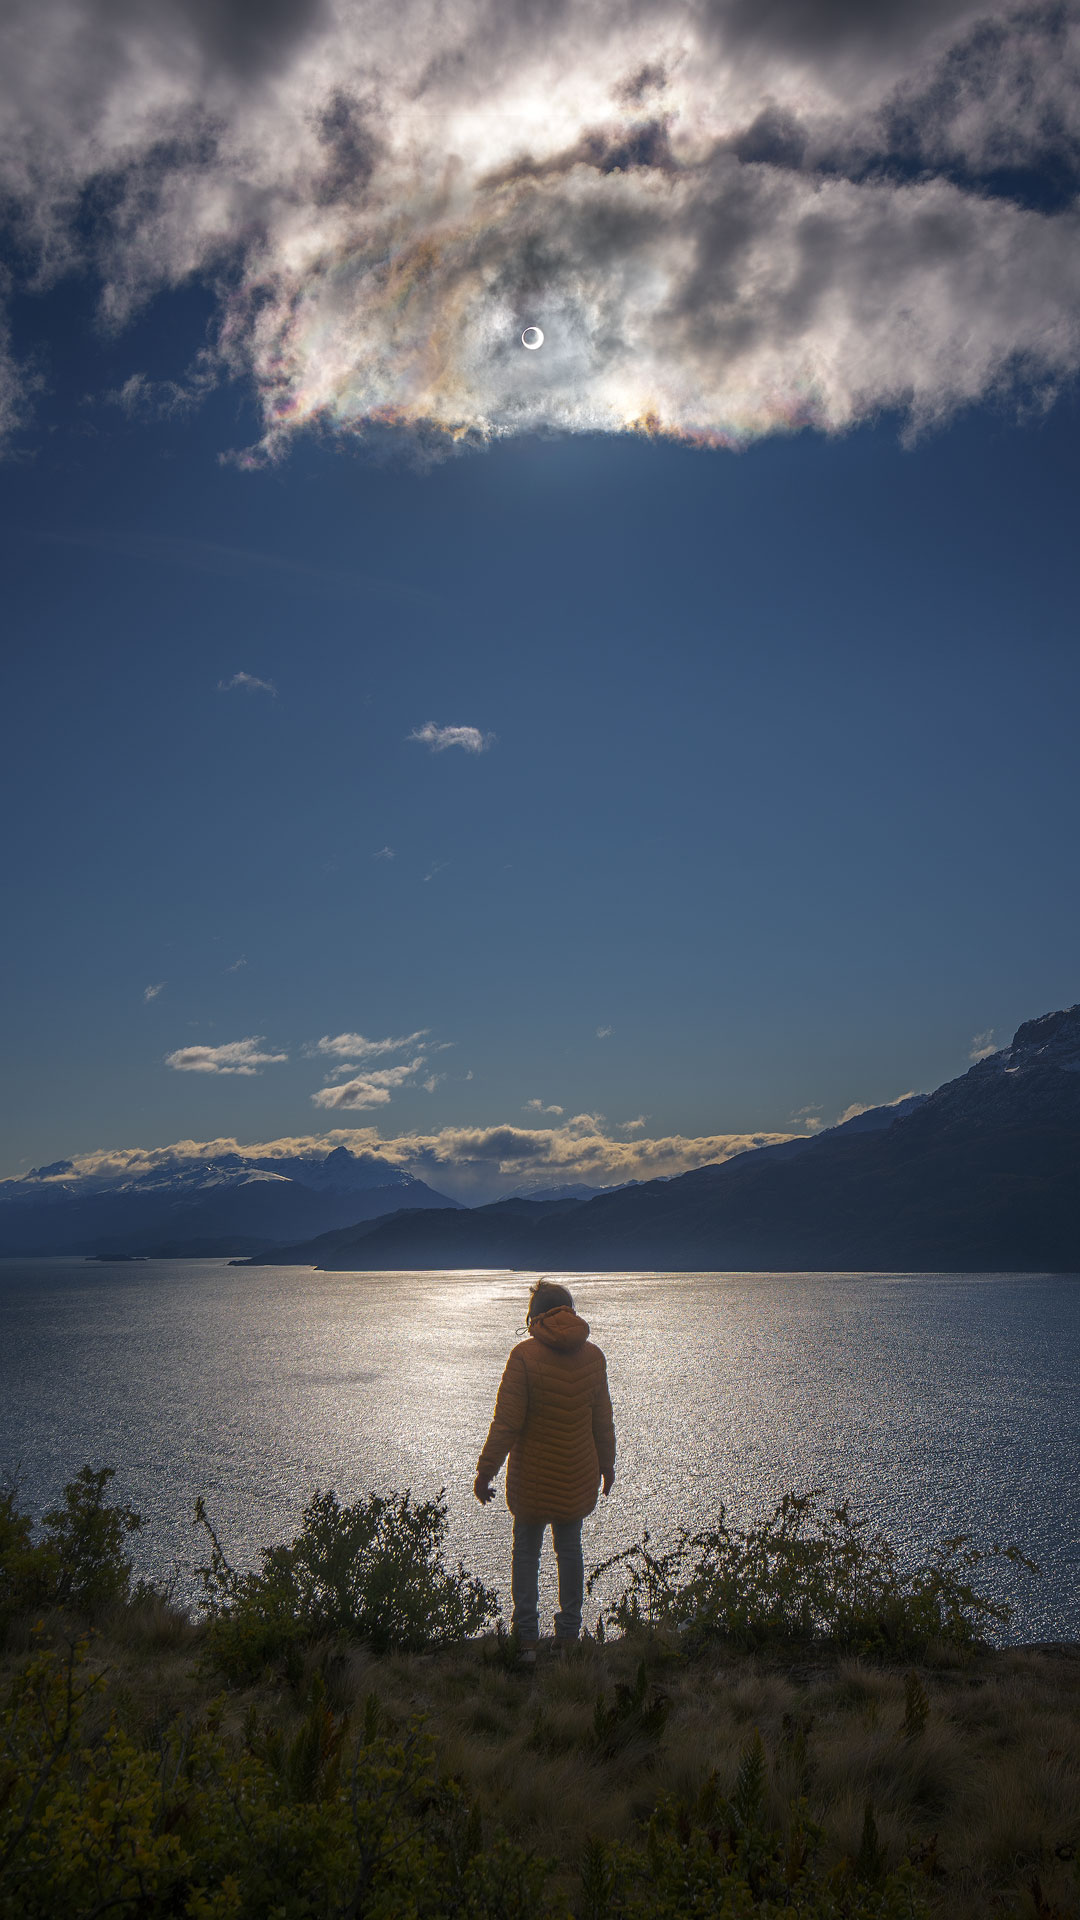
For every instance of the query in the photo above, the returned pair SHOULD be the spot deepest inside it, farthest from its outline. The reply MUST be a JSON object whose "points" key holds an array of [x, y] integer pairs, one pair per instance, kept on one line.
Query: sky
{"points": [[562, 764]]}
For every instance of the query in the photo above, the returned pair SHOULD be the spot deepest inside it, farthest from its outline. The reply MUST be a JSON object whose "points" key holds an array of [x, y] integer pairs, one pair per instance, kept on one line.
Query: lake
{"points": [[938, 1403]]}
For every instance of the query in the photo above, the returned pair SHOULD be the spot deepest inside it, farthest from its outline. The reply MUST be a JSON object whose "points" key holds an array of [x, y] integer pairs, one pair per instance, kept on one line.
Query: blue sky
{"points": [[775, 812]]}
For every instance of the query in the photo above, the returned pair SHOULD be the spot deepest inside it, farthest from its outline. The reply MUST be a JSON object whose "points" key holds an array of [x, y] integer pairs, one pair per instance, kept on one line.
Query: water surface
{"points": [[939, 1403]]}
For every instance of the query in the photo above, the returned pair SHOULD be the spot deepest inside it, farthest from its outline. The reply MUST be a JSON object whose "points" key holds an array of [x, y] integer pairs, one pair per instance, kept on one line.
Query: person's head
{"points": [[545, 1295]]}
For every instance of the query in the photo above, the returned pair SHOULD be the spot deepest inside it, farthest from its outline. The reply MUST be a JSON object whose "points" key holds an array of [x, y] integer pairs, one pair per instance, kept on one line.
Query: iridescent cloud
{"points": [[727, 219]]}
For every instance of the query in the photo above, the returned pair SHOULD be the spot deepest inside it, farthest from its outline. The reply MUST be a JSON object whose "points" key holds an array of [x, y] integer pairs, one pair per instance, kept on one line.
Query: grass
{"points": [[984, 1797], [814, 1747]]}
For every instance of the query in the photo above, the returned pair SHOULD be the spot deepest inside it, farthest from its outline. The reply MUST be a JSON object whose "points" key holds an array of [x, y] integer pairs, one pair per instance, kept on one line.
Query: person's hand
{"points": [[609, 1482], [483, 1490]]}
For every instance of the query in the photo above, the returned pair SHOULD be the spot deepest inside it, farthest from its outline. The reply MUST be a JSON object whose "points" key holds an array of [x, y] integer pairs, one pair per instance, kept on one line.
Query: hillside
{"points": [[984, 1174]]}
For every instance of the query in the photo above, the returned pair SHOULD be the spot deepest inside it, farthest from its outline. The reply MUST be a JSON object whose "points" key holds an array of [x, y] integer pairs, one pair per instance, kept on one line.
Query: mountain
{"points": [[981, 1175], [233, 1204]]}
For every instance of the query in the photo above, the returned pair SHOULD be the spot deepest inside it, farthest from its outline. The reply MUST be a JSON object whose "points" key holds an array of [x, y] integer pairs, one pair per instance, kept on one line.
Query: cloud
{"points": [[151, 993], [537, 1106], [236, 1056], [237, 964], [982, 1045], [633, 1126], [250, 683], [604, 1033], [368, 1089], [353, 1048], [385, 853], [868, 1106], [429, 1085], [471, 1162], [439, 738], [728, 219], [808, 1118]]}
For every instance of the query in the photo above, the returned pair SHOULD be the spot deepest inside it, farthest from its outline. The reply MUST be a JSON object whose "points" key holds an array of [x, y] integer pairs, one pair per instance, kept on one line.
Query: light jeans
{"points": [[525, 1577]]}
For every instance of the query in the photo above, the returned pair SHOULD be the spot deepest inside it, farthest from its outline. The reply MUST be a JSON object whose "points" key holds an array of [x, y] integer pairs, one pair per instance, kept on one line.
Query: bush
{"points": [[372, 1572], [311, 1825], [810, 1572], [79, 1563], [713, 1858]]}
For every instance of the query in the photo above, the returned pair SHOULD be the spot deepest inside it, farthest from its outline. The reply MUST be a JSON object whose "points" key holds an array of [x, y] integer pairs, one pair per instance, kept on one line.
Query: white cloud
{"points": [[429, 1085], [354, 1048], [808, 1118], [728, 220], [604, 1033], [982, 1045], [439, 738], [151, 993], [237, 964], [249, 682], [471, 1162], [633, 1126], [537, 1106], [235, 1056], [385, 853], [868, 1106], [370, 1089], [439, 867]]}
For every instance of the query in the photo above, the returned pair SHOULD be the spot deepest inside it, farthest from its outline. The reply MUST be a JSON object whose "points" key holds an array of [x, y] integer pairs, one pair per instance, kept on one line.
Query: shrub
{"points": [[373, 1572], [309, 1826], [717, 1858], [79, 1563], [808, 1572]]}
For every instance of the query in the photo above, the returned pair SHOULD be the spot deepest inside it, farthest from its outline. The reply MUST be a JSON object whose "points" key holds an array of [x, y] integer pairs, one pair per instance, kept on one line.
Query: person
{"points": [[553, 1419]]}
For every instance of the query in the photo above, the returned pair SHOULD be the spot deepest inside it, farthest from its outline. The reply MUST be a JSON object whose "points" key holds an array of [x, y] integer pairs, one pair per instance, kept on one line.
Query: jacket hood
{"points": [[560, 1328]]}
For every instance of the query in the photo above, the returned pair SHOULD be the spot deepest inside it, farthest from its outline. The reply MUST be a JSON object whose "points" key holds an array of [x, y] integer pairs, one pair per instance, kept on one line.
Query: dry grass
{"points": [[986, 1797]]}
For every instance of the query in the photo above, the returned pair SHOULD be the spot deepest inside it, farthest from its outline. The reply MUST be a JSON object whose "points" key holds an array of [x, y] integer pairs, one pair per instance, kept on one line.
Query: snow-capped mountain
{"points": [[232, 1203], [982, 1175]]}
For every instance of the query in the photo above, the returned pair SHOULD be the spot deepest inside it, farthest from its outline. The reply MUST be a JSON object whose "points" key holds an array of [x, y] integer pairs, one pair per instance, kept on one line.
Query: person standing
{"points": [[553, 1419]]}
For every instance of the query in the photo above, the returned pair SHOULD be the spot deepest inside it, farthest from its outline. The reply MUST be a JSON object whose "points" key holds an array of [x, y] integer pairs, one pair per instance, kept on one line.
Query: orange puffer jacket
{"points": [[553, 1417]]}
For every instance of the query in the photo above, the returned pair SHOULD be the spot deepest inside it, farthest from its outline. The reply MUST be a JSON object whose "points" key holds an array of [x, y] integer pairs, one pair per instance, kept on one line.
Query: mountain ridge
{"points": [[983, 1174]]}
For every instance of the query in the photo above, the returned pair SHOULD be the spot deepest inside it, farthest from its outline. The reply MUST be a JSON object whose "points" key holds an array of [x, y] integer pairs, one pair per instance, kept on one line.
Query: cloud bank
{"points": [[729, 218], [471, 1163]]}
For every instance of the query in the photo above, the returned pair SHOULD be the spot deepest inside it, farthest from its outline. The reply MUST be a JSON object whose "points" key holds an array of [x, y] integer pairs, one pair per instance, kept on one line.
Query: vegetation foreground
{"points": [[776, 1721]]}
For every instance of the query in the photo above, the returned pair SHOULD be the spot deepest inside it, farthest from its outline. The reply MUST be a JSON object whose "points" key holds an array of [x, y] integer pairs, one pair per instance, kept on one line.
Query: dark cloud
{"points": [[728, 219]]}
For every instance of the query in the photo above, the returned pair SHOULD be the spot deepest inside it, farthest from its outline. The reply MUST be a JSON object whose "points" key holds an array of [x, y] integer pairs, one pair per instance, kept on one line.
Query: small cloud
{"points": [[151, 993], [250, 683], [868, 1106], [354, 1048], [236, 1056], [439, 738], [437, 868], [982, 1045], [385, 853], [469, 1075], [633, 1126], [604, 1033], [429, 1085], [808, 1118], [237, 964], [368, 1089], [537, 1106]]}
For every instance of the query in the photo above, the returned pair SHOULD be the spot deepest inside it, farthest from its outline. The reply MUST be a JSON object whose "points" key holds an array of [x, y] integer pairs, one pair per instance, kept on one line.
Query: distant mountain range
{"points": [[231, 1205], [983, 1174]]}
